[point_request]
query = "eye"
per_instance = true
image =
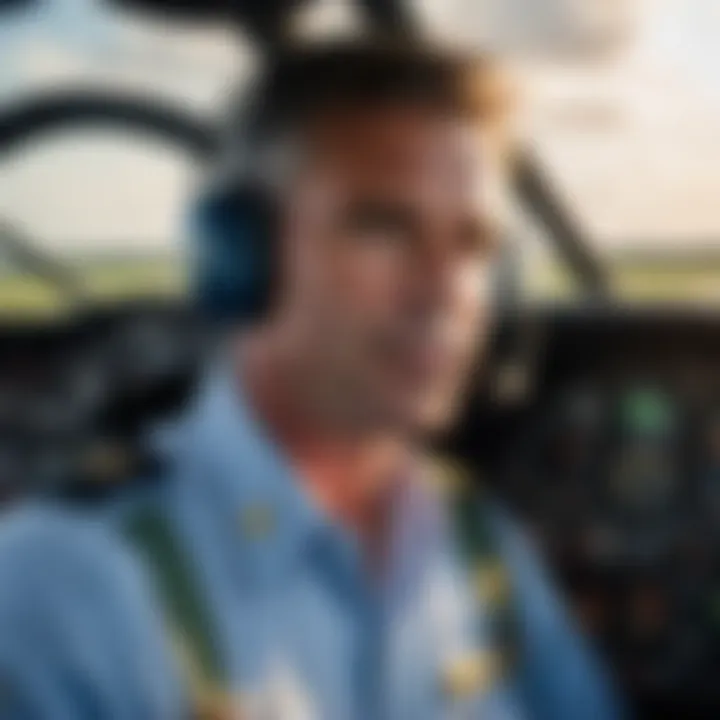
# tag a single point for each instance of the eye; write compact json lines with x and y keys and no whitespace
{"x":379,"y":222}
{"x":477,"y":238}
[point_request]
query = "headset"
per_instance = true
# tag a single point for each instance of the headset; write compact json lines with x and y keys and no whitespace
{"x":232,"y":224}
{"x":232,"y":232}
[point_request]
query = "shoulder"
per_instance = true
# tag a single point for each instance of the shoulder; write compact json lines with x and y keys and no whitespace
{"x":59,"y":564}
{"x":39,"y":536}
{"x":78,"y":622}
{"x":514,"y":540}
{"x":530,"y":578}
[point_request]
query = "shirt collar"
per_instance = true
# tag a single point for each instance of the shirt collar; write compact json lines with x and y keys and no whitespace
{"x":232,"y":462}
{"x":224,"y":456}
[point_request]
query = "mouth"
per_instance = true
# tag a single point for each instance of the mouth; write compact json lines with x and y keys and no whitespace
{"x":421,"y":361}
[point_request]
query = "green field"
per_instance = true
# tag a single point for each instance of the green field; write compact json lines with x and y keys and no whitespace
{"x":694,"y":281}
{"x":23,"y":298}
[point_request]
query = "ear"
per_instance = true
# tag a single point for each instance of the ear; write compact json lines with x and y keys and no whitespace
{"x":232,"y":259}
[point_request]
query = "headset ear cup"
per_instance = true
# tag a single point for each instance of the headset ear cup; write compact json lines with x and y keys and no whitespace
{"x":232,"y":265}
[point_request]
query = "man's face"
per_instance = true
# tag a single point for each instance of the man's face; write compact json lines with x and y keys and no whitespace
{"x":387,"y":263}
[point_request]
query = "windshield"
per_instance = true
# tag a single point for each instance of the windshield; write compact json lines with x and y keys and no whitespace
{"x":627,"y":131}
{"x":633,"y":147}
{"x":102,"y":207}
{"x":106,"y":204}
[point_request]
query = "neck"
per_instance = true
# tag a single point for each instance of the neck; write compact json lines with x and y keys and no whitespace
{"x":350,"y":474}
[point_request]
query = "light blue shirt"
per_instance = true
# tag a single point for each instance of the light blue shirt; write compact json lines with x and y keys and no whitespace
{"x":304,"y":633}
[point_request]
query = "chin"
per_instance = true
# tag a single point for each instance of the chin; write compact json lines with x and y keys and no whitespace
{"x":430,"y":417}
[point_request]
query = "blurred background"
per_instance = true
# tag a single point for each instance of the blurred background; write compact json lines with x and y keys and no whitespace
{"x":620,"y":100}
{"x":597,"y":416}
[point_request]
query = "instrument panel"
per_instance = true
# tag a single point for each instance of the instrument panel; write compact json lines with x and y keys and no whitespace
{"x":68,"y":393}
{"x":614,"y":465}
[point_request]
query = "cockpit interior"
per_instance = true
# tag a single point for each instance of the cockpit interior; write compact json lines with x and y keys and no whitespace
{"x":595,"y":416}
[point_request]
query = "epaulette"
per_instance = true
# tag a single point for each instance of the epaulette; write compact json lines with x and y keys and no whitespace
{"x":105,"y":467}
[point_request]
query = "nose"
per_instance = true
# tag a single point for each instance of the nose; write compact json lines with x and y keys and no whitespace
{"x":440,"y":273}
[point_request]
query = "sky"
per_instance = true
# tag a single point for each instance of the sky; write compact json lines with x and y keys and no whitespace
{"x":631,"y":136}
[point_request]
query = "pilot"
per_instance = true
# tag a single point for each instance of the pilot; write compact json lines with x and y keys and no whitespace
{"x":299,"y":556}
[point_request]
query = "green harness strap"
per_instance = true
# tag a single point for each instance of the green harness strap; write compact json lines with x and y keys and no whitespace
{"x":189,"y":622}
{"x":479,"y":546}
{"x":186,"y":614}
